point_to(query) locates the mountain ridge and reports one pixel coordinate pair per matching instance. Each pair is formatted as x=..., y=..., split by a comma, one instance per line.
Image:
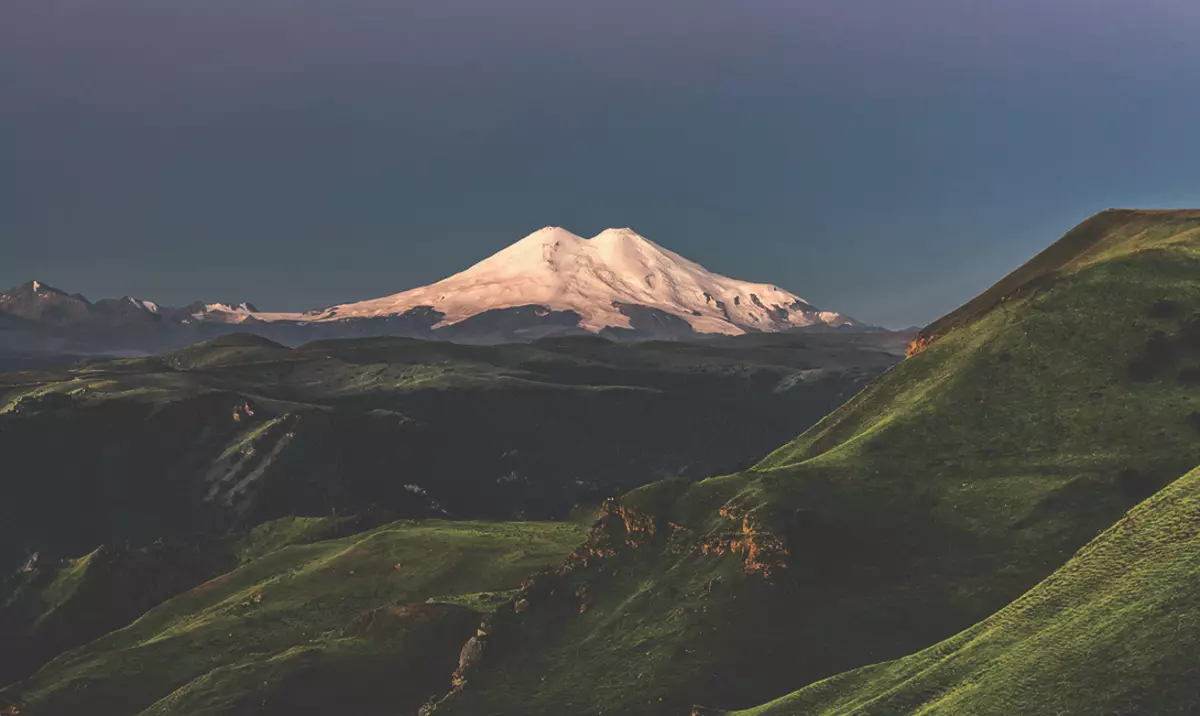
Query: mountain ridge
x=617, y=284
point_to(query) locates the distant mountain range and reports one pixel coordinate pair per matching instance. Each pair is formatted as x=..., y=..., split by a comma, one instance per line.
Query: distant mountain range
x=40, y=303
x=617, y=284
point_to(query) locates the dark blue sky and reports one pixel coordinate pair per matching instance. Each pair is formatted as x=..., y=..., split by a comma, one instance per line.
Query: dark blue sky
x=886, y=159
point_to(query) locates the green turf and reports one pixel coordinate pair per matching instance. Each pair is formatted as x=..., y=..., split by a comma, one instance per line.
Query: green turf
x=1114, y=631
x=953, y=484
x=327, y=619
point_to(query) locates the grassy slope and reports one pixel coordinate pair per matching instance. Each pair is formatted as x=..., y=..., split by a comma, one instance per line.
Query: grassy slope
x=54, y=605
x=1114, y=631
x=952, y=485
x=324, y=625
x=1086, y=239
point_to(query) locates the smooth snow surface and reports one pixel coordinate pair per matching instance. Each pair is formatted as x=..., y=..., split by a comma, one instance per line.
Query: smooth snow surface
x=554, y=268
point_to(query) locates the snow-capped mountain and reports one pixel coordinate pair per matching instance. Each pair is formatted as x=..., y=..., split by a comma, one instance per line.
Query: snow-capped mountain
x=35, y=301
x=215, y=312
x=38, y=301
x=609, y=281
x=36, y=317
x=617, y=284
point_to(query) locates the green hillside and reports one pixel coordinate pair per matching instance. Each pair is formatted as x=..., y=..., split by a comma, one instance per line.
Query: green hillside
x=372, y=622
x=952, y=485
x=53, y=604
x=1114, y=631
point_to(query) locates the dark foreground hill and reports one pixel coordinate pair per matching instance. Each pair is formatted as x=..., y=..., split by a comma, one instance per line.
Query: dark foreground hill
x=301, y=621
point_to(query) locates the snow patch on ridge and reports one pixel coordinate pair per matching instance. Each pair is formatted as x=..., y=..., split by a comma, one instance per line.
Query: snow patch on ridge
x=148, y=306
x=225, y=312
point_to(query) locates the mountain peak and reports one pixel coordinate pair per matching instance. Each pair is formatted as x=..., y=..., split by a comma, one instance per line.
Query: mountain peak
x=611, y=281
x=38, y=301
x=36, y=287
x=623, y=232
x=549, y=234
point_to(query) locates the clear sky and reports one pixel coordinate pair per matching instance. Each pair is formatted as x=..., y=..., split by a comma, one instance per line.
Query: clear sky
x=883, y=158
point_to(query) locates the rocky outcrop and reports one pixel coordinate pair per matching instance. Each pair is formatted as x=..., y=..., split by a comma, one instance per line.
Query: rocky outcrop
x=763, y=549
x=469, y=658
x=919, y=343
x=616, y=527
x=572, y=590
x=764, y=552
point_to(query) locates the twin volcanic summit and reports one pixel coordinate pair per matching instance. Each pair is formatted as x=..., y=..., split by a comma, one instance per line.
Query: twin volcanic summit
x=617, y=284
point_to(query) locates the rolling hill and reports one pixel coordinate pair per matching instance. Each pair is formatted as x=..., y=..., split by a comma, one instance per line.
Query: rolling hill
x=374, y=621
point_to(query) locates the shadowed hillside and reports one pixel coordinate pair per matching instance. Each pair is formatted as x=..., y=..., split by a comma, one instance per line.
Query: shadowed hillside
x=373, y=622
x=240, y=430
x=953, y=484
x=164, y=460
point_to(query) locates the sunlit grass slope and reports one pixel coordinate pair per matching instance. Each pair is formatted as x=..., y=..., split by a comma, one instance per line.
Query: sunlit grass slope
x=363, y=624
x=1114, y=631
x=950, y=486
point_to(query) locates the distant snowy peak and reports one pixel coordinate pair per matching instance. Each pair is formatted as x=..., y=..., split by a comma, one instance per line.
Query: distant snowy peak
x=551, y=283
x=603, y=279
x=38, y=289
x=41, y=302
x=217, y=312
x=242, y=307
x=37, y=301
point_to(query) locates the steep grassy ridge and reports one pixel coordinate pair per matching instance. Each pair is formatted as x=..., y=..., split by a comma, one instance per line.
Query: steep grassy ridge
x=953, y=484
x=366, y=623
x=1071, y=249
x=1114, y=631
